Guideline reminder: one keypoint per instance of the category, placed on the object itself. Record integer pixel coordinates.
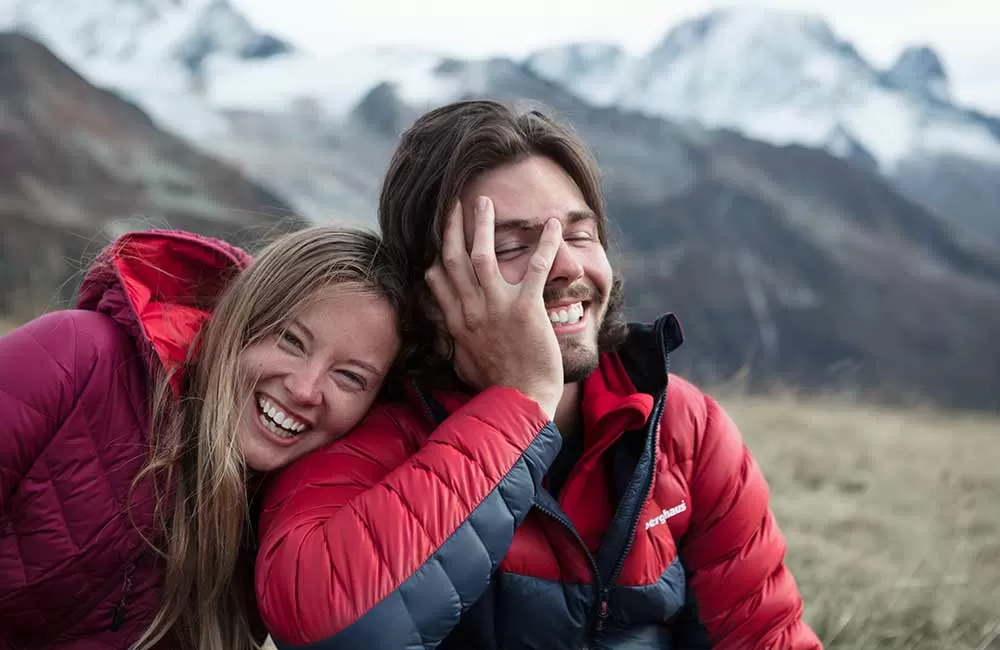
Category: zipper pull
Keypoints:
(602, 611)
(118, 618)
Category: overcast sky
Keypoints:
(966, 33)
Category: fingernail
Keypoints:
(481, 203)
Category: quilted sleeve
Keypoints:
(745, 596)
(43, 366)
(369, 544)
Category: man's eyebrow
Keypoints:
(572, 217)
(516, 224)
(576, 216)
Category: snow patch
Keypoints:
(337, 83)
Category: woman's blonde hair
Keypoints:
(202, 483)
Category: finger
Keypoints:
(484, 255)
(542, 259)
(455, 257)
(447, 298)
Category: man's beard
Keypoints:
(579, 360)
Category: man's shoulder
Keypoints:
(685, 398)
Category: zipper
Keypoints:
(603, 592)
(118, 618)
(634, 523)
(655, 417)
(86, 608)
(602, 609)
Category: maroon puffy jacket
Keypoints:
(74, 570)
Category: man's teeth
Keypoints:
(567, 315)
(276, 419)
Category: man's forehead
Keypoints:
(536, 222)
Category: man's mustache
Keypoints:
(577, 292)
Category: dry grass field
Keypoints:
(892, 518)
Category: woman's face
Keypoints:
(314, 380)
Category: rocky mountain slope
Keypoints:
(79, 165)
(784, 262)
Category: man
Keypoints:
(545, 482)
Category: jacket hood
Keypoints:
(161, 287)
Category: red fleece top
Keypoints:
(609, 407)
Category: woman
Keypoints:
(137, 429)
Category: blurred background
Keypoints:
(813, 187)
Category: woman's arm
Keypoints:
(44, 366)
(366, 546)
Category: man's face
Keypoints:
(525, 195)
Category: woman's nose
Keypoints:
(303, 385)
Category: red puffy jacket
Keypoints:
(430, 525)
(74, 390)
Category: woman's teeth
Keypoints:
(276, 420)
(567, 315)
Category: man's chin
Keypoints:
(579, 366)
(579, 357)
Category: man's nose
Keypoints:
(566, 267)
(304, 385)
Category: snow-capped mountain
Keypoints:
(152, 31)
(919, 70)
(782, 77)
(153, 51)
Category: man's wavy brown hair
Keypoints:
(437, 157)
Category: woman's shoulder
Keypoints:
(72, 342)
(89, 331)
